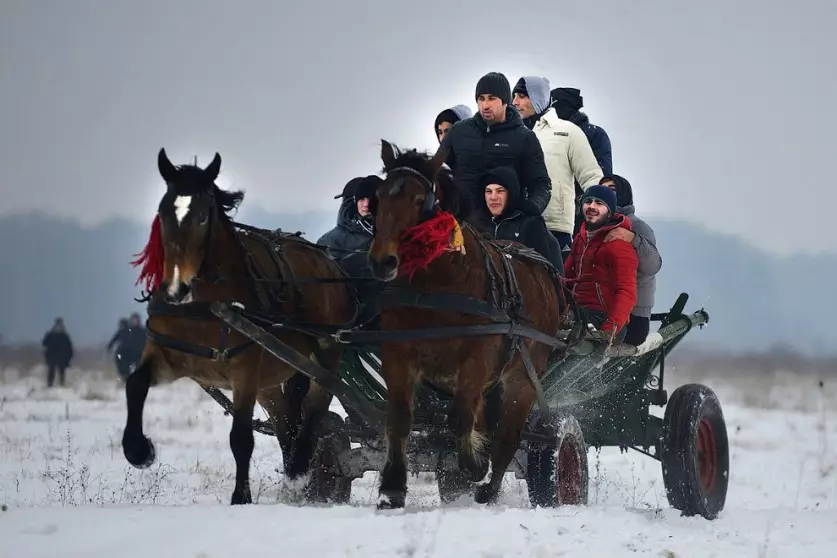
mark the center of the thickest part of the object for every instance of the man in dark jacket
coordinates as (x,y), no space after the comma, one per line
(642,238)
(58,352)
(602,275)
(500,219)
(349,241)
(447,118)
(567,103)
(130,341)
(496,136)
(119,339)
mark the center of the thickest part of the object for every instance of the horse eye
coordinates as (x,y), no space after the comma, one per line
(419,201)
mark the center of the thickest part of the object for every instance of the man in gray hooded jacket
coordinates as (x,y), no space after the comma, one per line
(642,237)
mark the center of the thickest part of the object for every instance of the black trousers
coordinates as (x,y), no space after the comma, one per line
(52,370)
(637,330)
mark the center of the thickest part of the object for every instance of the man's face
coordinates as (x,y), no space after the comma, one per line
(363,207)
(491,108)
(524,105)
(442,130)
(595,213)
(610,184)
(496,198)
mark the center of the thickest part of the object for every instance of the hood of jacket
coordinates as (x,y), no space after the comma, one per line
(349,219)
(624,191)
(538,90)
(453,115)
(567,101)
(506,177)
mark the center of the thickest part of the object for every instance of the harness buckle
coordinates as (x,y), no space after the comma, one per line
(218,355)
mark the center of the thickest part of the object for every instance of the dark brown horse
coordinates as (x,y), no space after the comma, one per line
(197,255)
(415,198)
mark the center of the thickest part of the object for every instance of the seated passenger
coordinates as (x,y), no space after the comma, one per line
(602,275)
(500,217)
(642,237)
(355,225)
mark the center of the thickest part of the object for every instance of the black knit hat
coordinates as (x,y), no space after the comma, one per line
(494,83)
(520,87)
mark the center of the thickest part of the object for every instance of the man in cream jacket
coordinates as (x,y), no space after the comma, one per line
(569,157)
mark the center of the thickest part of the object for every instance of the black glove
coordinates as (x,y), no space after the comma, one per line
(527,207)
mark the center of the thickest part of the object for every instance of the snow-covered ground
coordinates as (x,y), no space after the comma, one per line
(67,490)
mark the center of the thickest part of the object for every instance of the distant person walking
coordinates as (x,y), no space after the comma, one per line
(58,352)
(129,340)
(123,367)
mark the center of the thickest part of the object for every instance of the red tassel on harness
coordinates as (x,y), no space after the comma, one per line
(151,259)
(425,242)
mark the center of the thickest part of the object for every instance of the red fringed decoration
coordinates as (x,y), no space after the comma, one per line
(425,242)
(151,259)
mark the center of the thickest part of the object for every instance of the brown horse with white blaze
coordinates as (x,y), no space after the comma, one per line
(197,255)
(418,200)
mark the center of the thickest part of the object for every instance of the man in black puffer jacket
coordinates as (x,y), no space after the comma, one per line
(498,217)
(495,137)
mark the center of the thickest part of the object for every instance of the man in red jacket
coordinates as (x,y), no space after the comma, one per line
(602,275)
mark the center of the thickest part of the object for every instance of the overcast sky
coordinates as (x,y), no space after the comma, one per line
(720,112)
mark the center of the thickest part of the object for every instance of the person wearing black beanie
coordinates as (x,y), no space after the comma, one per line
(496,136)
(568,102)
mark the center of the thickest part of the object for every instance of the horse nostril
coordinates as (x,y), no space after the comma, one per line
(390,262)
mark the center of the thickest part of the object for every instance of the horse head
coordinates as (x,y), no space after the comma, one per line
(188,213)
(412,191)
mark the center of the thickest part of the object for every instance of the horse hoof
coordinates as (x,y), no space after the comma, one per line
(485,494)
(391,500)
(139,452)
(474,472)
(241,497)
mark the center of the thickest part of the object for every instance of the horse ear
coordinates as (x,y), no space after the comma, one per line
(388,154)
(167,170)
(438,160)
(214,168)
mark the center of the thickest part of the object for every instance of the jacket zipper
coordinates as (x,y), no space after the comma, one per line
(599,294)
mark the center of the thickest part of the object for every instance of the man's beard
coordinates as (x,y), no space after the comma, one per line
(602,219)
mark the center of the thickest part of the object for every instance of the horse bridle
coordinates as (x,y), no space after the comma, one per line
(430,201)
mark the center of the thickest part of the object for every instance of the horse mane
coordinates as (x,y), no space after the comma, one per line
(192,180)
(451,197)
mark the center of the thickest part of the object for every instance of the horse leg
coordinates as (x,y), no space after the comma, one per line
(138,450)
(464,414)
(284,406)
(315,406)
(518,395)
(241,433)
(392,492)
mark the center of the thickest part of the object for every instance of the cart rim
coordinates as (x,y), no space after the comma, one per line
(568,474)
(707,455)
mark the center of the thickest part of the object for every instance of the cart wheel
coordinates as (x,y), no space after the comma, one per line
(557,474)
(695,452)
(328,484)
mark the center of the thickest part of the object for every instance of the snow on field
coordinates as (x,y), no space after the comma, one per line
(68,491)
